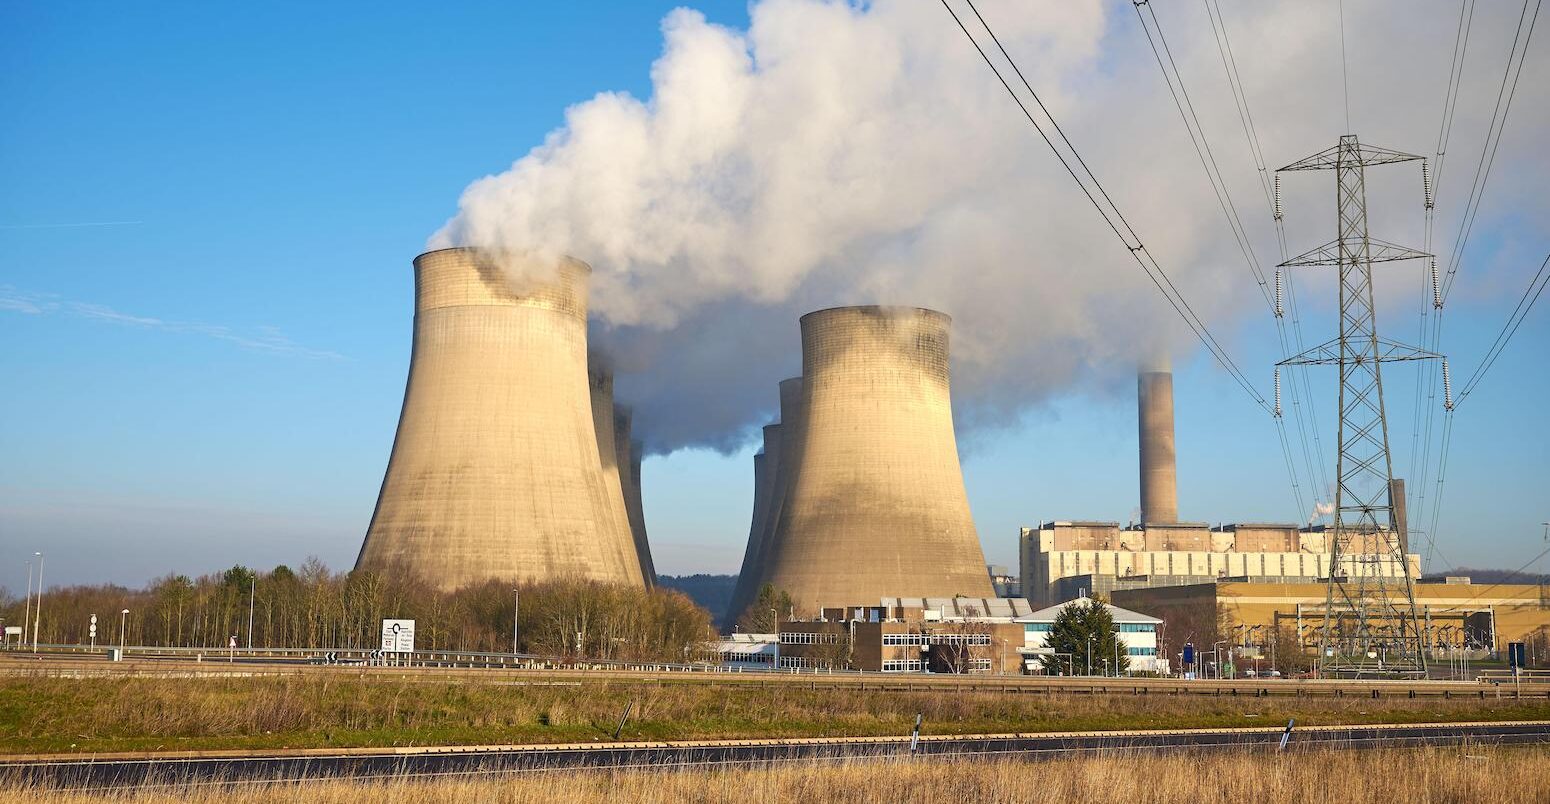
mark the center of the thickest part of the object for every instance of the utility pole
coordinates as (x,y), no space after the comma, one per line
(1370,584)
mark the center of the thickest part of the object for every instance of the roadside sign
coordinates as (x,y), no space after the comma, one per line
(1189,653)
(398,636)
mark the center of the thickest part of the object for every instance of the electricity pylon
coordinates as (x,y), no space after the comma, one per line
(1370,623)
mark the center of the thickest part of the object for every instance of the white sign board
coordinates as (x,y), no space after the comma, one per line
(13,630)
(398,636)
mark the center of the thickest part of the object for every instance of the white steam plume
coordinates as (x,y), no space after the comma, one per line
(850,153)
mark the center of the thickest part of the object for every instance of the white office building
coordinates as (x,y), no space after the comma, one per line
(1137,632)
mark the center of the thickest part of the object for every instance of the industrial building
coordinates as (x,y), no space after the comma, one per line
(910,635)
(497,469)
(865,497)
(1062,560)
(1455,613)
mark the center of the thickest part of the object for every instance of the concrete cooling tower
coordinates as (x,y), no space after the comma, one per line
(614,460)
(1159,472)
(876,505)
(495,470)
(765,465)
(628,454)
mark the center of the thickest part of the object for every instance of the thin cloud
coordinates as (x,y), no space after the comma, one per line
(266,339)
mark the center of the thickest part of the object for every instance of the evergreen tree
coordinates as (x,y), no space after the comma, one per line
(1084,623)
(759,617)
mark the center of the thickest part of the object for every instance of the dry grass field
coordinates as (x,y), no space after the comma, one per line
(47,715)
(1429,775)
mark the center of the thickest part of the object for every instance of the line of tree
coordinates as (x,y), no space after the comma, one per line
(314,607)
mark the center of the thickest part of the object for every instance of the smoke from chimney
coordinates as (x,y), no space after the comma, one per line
(862,153)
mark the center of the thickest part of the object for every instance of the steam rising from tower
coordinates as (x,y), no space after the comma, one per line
(495,471)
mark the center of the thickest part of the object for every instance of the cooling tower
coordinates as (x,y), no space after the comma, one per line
(495,470)
(1159,475)
(765,465)
(629,453)
(876,504)
(616,472)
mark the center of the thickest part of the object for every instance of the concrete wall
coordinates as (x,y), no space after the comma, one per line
(495,470)
(615,463)
(877,504)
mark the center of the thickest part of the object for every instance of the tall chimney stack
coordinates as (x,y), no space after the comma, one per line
(1159,472)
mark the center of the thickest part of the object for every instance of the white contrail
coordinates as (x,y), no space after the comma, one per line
(67,225)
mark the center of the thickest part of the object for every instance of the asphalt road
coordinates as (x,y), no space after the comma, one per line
(121,771)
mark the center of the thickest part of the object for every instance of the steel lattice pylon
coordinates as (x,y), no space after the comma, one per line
(1370,622)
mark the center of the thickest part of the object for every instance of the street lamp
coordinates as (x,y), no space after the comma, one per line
(123,637)
(1216,652)
(1116,651)
(1088,670)
(516,607)
(37,611)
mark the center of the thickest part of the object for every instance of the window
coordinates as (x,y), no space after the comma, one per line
(796,638)
(901,665)
(1036,627)
(800,661)
(752,658)
(958,639)
(904,639)
(1137,628)
(1140,651)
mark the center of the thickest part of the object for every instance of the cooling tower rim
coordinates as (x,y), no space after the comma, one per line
(877,308)
(475,250)
(771,426)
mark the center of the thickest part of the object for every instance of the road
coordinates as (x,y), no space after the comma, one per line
(150,770)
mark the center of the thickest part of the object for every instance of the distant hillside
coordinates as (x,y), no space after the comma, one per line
(713,592)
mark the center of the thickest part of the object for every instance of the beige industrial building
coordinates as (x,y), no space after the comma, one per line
(1454,613)
(1063,560)
(496,470)
(873,502)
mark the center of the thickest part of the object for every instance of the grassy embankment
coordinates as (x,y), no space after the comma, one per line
(1420,777)
(46,715)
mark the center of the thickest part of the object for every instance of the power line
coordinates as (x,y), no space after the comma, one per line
(1492,141)
(1420,460)
(1208,163)
(1526,303)
(1345,76)
(1110,211)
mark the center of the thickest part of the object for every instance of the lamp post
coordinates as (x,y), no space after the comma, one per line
(1116,651)
(37,611)
(123,636)
(1216,652)
(27,608)
(1088,670)
(516,609)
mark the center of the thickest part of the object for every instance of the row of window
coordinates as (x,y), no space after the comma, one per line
(901,666)
(747,658)
(800,661)
(1124,628)
(1141,651)
(796,638)
(935,639)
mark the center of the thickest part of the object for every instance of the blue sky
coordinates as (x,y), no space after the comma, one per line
(205,296)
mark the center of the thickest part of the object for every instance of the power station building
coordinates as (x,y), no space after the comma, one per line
(1063,560)
(865,498)
(504,466)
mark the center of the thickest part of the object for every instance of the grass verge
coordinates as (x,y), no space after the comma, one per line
(52,715)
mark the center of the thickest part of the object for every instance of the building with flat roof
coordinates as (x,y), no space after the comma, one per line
(1137,631)
(1455,614)
(1061,560)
